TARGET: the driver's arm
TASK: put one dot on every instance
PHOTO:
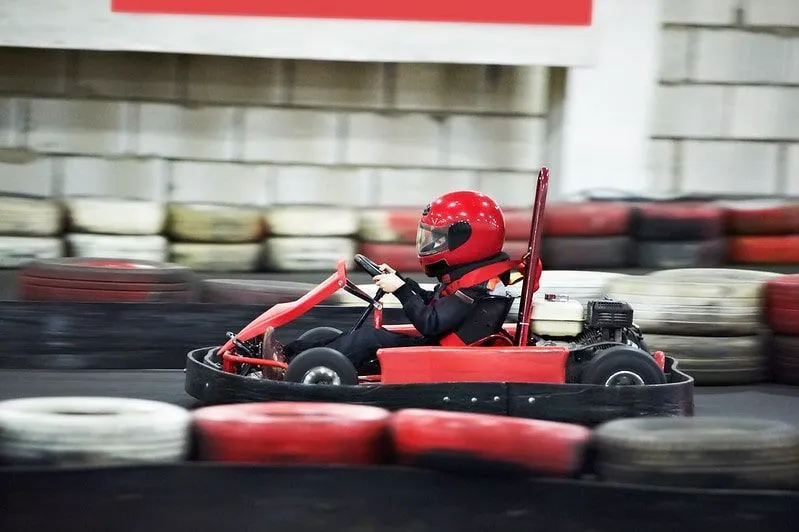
(426, 295)
(439, 319)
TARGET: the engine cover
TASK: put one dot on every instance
(608, 314)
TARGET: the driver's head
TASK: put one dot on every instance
(459, 228)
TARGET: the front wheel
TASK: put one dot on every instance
(322, 366)
(622, 366)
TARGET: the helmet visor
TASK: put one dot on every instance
(430, 240)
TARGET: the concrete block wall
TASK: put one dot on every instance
(727, 108)
(251, 131)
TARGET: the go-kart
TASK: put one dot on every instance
(554, 342)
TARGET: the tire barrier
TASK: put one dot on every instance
(92, 431)
(590, 235)
(709, 319)
(699, 452)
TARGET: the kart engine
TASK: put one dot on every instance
(605, 321)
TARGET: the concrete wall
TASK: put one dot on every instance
(727, 112)
(202, 128)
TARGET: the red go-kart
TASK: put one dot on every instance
(605, 349)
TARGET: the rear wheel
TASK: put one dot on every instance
(622, 366)
(322, 366)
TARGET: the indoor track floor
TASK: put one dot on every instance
(766, 401)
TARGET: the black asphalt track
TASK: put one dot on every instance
(768, 401)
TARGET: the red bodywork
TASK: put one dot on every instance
(498, 358)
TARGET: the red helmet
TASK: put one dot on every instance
(458, 228)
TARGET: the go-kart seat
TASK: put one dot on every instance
(484, 324)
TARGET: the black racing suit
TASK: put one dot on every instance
(431, 314)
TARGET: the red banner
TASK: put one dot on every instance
(538, 12)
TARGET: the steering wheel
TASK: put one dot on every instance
(370, 267)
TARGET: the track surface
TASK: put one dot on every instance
(768, 401)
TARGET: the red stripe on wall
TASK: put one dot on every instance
(538, 12)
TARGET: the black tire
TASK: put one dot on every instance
(699, 254)
(623, 364)
(322, 359)
(584, 252)
(701, 452)
(320, 335)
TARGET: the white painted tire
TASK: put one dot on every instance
(16, 251)
(215, 223)
(96, 431)
(30, 217)
(695, 301)
(115, 216)
(216, 257)
(300, 254)
(150, 247)
(311, 220)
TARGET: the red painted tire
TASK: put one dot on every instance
(677, 222)
(292, 433)
(762, 218)
(401, 257)
(764, 249)
(446, 439)
(587, 219)
(108, 280)
(782, 304)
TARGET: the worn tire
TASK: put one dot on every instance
(566, 253)
(677, 222)
(292, 433)
(152, 248)
(713, 361)
(17, 251)
(30, 217)
(303, 254)
(459, 440)
(701, 254)
(311, 220)
(45, 431)
(695, 302)
(585, 219)
(216, 257)
(88, 279)
(215, 223)
(700, 452)
(784, 351)
(112, 216)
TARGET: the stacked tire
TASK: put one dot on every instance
(580, 236)
(709, 320)
(389, 235)
(679, 235)
(782, 314)
(215, 237)
(113, 228)
(30, 229)
(763, 232)
(309, 238)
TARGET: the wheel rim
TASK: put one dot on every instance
(321, 375)
(624, 378)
